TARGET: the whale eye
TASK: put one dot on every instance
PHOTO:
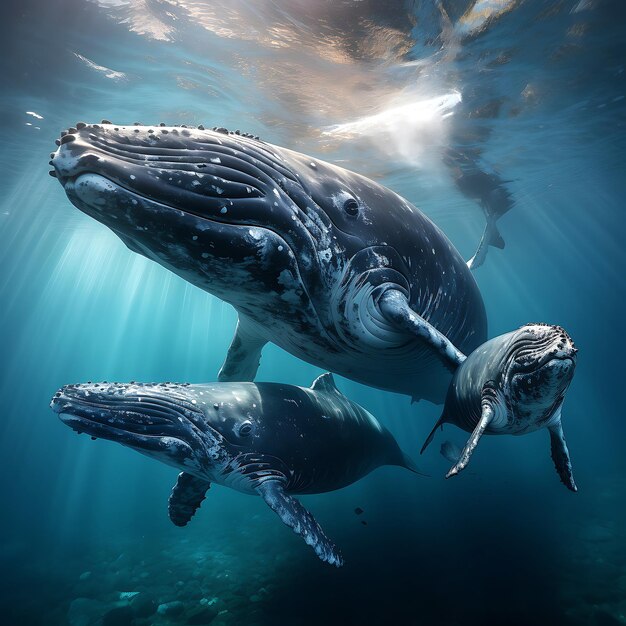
(245, 429)
(351, 206)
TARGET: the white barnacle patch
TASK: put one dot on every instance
(325, 255)
(257, 234)
(248, 190)
(215, 160)
(223, 210)
(132, 177)
(195, 238)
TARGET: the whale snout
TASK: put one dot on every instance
(163, 163)
(134, 414)
(535, 345)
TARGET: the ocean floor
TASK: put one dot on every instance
(257, 573)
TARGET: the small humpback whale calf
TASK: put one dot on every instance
(512, 385)
(334, 268)
(267, 439)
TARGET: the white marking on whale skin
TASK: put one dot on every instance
(382, 259)
(326, 256)
(94, 190)
(291, 284)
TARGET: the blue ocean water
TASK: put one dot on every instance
(530, 93)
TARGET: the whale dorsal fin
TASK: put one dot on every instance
(325, 382)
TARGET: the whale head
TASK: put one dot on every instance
(271, 231)
(209, 205)
(541, 364)
(199, 429)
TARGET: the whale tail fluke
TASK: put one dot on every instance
(491, 237)
(495, 238)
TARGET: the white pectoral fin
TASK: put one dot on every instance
(395, 307)
(560, 456)
(294, 515)
(244, 354)
(492, 405)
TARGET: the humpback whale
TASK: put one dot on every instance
(514, 384)
(267, 439)
(329, 265)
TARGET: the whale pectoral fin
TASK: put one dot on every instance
(186, 498)
(492, 406)
(244, 354)
(394, 305)
(294, 515)
(560, 456)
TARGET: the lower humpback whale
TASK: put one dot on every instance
(334, 268)
(514, 384)
(268, 439)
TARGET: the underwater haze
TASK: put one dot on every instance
(451, 104)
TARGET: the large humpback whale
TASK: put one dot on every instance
(267, 439)
(329, 265)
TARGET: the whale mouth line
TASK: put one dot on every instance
(540, 361)
(186, 211)
(548, 359)
(83, 424)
